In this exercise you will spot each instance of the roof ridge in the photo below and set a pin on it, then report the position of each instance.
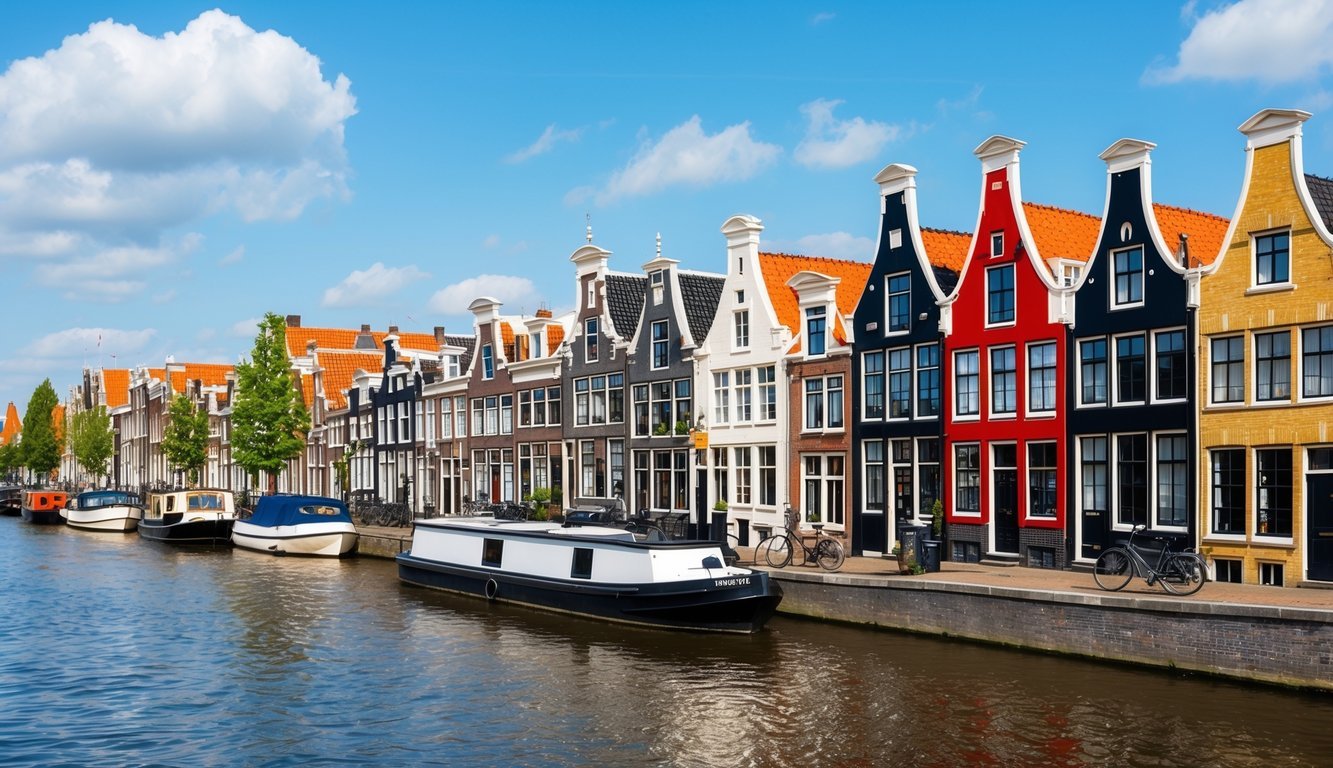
(1196, 211)
(941, 231)
(701, 273)
(1061, 209)
(814, 258)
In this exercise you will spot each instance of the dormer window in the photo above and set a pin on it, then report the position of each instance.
(815, 318)
(1272, 258)
(451, 365)
(590, 340)
(535, 344)
(487, 362)
(1128, 266)
(997, 244)
(657, 279)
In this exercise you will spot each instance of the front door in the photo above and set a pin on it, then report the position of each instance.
(1319, 517)
(1094, 532)
(1006, 510)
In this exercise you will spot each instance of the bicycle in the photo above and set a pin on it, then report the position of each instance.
(1180, 573)
(477, 505)
(779, 549)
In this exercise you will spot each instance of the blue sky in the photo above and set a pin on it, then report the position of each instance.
(171, 171)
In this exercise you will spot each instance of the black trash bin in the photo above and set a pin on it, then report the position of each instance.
(930, 555)
(910, 551)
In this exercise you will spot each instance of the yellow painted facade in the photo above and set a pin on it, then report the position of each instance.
(1232, 306)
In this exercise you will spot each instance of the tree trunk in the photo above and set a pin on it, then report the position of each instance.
(272, 483)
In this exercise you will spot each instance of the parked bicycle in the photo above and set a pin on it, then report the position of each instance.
(1180, 573)
(779, 549)
(477, 505)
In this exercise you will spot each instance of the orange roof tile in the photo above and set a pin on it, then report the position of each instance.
(1205, 231)
(307, 389)
(946, 249)
(555, 334)
(1062, 233)
(298, 338)
(340, 368)
(778, 268)
(13, 425)
(209, 374)
(116, 386)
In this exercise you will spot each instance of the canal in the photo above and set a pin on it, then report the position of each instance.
(116, 651)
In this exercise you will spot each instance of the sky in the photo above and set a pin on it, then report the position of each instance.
(169, 171)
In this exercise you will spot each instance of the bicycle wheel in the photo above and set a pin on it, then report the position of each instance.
(1113, 569)
(732, 549)
(778, 552)
(1184, 574)
(830, 554)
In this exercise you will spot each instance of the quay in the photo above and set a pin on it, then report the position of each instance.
(1240, 631)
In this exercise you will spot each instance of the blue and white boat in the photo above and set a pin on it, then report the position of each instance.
(297, 525)
(106, 510)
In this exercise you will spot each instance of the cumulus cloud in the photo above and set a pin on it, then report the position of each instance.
(366, 287)
(247, 328)
(833, 143)
(235, 257)
(685, 155)
(111, 275)
(834, 245)
(76, 342)
(545, 143)
(512, 290)
(1269, 41)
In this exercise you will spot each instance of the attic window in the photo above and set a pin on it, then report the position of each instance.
(740, 297)
(896, 238)
(997, 244)
(592, 295)
(656, 277)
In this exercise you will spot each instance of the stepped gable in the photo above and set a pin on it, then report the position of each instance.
(1062, 233)
(700, 294)
(1205, 231)
(116, 387)
(947, 251)
(624, 302)
(1321, 191)
(13, 425)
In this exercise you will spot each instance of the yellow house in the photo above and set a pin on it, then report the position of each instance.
(1265, 324)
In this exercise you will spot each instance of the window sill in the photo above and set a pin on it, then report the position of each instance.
(1041, 415)
(1258, 290)
(1263, 540)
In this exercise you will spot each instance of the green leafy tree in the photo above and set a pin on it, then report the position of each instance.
(40, 448)
(91, 441)
(185, 439)
(10, 458)
(269, 420)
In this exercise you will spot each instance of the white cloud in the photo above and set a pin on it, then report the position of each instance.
(686, 155)
(834, 245)
(832, 143)
(112, 275)
(1271, 41)
(235, 257)
(366, 287)
(491, 242)
(76, 342)
(248, 328)
(517, 292)
(545, 143)
(822, 18)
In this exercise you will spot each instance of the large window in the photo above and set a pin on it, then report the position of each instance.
(641, 424)
(1172, 378)
(743, 474)
(966, 383)
(1092, 454)
(1171, 480)
(900, 383)
(899, 295)
(1042, 385)
(928, 380)
(824, 481)
(590, 339)
(814, 330)
(768, 475)
(721, 397)
(768, 393)
(873, 453)
(967, 479)
(660, 344)
(1228, 369)
(487, 362)
(823, 403)
(1132, 480)
(1272, 258)
(1000, 294)
(741, 327)
(1317, 362)
(1003, 381)
(1042, 482)
(872, 385)
(599, 399)
(1272, 360)
(1092, 371)
(744, 395)
(1131, 382)
(928, 473)
(721, 474)
(1128, 276)
(1273, 491)
(1228, 491)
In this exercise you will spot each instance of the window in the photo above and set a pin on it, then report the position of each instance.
(492, 552)
(743, 474)
(744, 392)
(615, 398)
(1042, 385)
(683, 402)
(553, 406)
(487, 362)
(997, 244)
(1273, 489)
(814, 403)
(928, 474)
(1317, 362)
(660, 344)
(1132, 479)
(966, 383)
(1003, 381)
(1228, 491)
(823, 403)
(1092, 371)
(1172, 382)
(928, 380)
(1130, 370)
(1042, 479)
(1228, 370)
(1171, 480)
(768, 475)
(662, 421)
(1092, 453)
(598, 400)
(430, 421)
(1128, 276)
(525, 408)
(588, 468)
(581, 568)
(814, 330)
(590, 340)
(615, 448)
(721, 397)
(1270, 574)
(967, 479)
(1272, 258)
(460, 417)
(741, 323)
(824, 481)
(592, 294)
(1000, 294)
(447, 418)
(899, 295)
(582, 409)
(1228, 571)
(872, 385)
(641, 409)
(900, 383)
(873, 453)
(768, 393)
(1272, 359)
(720, 474)
(478, 417)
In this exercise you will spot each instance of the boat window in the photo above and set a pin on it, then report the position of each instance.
(205, 501)
(492, 551)
(171, 503)
(320, 509)
(582, 563)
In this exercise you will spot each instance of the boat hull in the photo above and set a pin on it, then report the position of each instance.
(313, 539)
(114, 519)
(739, 604)
(206, 531)
(42, 516)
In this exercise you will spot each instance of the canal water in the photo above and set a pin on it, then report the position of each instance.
(116, 651)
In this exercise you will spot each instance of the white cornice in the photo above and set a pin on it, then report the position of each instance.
(1272, 126)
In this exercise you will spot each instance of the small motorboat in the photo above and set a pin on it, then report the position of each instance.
(596, 571)
(11, 500)
(42, 506)
(297, 525)
(202, 516)
(106, 510)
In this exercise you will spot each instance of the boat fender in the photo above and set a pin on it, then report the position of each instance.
(492, 588)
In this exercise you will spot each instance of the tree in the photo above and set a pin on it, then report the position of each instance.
(91, 441)
(185, 438)
(40, 448)
(269, 420)
(10, 458)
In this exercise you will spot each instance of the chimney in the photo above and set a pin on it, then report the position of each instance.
(365, 340)
(293, 321)
(393, 329)
(544, 313)
(439, 335)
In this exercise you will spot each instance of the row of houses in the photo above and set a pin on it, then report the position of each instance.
(1046, 382)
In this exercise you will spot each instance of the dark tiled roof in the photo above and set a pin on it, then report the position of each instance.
(1322, 192)
(701, 295)
(624, 302)
(468, 343)
(947, 279)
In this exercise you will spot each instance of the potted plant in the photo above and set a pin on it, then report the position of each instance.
(660, 429)
(720, 505)
(682, 427)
